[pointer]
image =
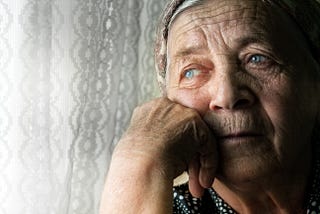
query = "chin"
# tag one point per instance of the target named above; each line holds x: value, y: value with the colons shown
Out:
x: 248, y: 169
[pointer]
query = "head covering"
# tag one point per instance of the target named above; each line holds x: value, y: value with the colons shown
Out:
x: 306, y: 14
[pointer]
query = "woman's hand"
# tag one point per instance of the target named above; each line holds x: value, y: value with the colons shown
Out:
x: 176, y: 138
x: 163, y: 140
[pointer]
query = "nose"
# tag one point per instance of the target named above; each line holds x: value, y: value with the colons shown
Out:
x: 228, y: 93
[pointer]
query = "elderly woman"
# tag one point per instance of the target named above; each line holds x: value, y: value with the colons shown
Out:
x: 240, y: 111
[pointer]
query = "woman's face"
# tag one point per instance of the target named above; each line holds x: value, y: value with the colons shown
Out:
x: 248, y: 71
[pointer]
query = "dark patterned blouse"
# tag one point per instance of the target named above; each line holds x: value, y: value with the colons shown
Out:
x: 211, y: 202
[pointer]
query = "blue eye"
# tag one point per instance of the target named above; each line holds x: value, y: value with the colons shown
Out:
x: 259, y: 62
x: 189, y: 74
x: 257, y: 58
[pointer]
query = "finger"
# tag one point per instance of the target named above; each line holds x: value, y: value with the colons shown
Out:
x: 207, y: 169
x: 208, y: 162
x: 195, y: 188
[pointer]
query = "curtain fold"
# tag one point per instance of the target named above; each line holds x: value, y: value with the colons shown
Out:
x: 71, y: 72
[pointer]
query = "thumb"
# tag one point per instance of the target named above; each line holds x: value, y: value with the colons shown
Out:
x: 195, y: 187
x: 208, y: 162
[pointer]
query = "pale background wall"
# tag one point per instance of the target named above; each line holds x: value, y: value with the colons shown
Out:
x: 71, y: 72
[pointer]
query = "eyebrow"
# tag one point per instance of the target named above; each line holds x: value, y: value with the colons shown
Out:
x: 242, y: 42
x: 191, y: 50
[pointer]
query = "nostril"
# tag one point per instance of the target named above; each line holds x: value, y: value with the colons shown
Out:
x: 238, y: 104
x: 231, y: 97
x: 242, y: 103
x: 216, y: 108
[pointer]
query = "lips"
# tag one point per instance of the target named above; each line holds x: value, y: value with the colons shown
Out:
x: 239, y: 126
x: 240, y: 137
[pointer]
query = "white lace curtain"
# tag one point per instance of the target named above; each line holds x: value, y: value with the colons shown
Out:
x: 71, y: 71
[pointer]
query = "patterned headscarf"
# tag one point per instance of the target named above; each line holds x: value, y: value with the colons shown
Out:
x: 306, y: 14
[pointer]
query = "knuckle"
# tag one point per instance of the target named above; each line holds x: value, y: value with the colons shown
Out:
x: 192, y: 114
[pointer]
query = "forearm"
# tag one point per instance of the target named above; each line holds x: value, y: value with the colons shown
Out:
x: 162, y: 140
x: 136, y: 186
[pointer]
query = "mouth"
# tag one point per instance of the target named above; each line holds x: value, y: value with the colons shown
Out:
x: 239, y: 137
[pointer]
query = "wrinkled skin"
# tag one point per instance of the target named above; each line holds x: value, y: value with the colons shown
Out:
x: 242, y: 101
x: 255, y: 90
x: 177, y: 138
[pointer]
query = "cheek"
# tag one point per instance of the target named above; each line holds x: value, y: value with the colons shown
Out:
x: 292, y: 117
x: 195, y: 99
x: 278, y: 103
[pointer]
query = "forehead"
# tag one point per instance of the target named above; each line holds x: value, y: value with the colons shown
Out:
x: 230, y: 21
x: 227, y: 12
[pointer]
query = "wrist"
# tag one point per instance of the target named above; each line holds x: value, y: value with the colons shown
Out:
x: 144, y: 156
x: 140, y: 183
